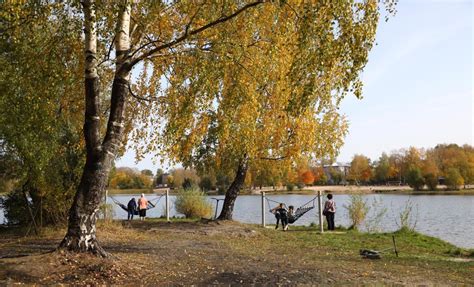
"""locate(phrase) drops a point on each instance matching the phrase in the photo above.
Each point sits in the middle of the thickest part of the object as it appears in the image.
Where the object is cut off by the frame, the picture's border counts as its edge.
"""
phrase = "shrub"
(323, 180)
(206, 184)
(454, 179)
(377, 213)
(290, 186)
(193, 203)
(300, 185)
(415, 179)
(188, 183)
(407, 218)
(14, 208)
(357, 209)
(431, 181)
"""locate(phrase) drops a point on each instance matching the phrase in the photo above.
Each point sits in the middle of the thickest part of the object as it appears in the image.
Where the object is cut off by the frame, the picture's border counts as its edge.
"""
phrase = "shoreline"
(335, 189)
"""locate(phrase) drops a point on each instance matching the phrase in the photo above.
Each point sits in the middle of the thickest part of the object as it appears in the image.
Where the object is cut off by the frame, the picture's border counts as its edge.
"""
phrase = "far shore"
(336, 189)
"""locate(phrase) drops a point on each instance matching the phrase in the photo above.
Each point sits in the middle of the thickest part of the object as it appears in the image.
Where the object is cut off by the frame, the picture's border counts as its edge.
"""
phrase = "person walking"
(142, 206)
(131, 208)
(329, 211)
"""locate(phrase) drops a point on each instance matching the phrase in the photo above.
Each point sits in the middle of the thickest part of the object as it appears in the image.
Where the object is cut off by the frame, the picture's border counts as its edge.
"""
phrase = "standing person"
(131, 208)
(330, 211)
(277, 214)
(142, 205)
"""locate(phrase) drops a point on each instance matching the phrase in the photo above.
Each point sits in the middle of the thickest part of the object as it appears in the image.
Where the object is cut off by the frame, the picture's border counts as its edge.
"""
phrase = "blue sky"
(418, 84)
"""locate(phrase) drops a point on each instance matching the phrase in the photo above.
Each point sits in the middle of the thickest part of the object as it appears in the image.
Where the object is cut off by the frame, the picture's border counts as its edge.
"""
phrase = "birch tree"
(266, 88)
(230, 82)
(157, 31)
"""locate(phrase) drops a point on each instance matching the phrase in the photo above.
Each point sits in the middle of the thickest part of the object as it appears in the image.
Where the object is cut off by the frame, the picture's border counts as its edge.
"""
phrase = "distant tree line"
(450, 165)
(445, 164)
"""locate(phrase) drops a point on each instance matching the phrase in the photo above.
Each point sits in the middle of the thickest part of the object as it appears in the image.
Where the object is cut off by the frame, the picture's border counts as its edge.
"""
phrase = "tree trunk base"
(83, 245)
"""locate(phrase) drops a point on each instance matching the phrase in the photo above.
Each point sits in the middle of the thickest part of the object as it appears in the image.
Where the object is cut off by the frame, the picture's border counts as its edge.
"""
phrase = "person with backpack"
(131, 208)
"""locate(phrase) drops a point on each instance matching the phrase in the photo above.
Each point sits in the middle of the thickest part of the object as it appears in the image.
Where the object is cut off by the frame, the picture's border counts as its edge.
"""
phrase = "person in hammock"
(281, 214)
(291, 212)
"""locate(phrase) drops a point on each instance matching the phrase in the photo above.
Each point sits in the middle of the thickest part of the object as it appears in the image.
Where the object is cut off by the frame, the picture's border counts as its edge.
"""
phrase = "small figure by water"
(131, 208)
(281, 214)
(329, 211)
(142, 206)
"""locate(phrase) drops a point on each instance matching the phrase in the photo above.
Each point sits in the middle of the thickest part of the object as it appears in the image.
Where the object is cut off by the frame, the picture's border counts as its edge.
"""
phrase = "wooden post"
(217, 206)
(394, 245)
(320, 209)
(263, 209)
(167, 205)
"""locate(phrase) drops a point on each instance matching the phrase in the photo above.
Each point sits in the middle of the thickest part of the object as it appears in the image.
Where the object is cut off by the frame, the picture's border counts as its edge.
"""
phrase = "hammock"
(135, 212)
(299, 212)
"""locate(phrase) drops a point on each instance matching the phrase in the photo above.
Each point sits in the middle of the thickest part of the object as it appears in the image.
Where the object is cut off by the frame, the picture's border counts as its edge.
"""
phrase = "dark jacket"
(132, 205)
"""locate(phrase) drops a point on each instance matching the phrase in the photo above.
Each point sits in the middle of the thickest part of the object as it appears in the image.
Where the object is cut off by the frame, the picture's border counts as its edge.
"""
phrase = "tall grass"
(193, 203)
(408, 217)
(377, 213)
(357, 210)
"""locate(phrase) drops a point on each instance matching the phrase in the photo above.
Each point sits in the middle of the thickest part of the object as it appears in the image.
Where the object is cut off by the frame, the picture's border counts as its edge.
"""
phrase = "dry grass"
(204, 253)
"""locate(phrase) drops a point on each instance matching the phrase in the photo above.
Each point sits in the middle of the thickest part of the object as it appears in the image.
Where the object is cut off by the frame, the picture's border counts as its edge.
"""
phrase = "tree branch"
(107, 57)
(148, 99)
(186, 34)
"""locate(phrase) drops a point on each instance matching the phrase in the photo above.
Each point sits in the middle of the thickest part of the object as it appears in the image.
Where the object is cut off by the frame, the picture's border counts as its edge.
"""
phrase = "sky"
(418, 84)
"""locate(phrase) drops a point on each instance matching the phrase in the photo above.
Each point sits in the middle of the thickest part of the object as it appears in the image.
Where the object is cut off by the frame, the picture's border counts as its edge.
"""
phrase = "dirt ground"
(210, 253)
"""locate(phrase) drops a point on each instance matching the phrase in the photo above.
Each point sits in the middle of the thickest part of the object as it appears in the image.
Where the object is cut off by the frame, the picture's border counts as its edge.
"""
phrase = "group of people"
(141, 206)
(283, 214)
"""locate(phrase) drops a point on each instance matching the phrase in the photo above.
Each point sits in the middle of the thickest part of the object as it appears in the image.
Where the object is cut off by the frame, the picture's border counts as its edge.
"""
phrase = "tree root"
(79, 245)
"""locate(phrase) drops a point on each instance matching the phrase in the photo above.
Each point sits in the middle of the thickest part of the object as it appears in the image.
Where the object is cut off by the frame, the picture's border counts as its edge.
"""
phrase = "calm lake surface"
(449, 217)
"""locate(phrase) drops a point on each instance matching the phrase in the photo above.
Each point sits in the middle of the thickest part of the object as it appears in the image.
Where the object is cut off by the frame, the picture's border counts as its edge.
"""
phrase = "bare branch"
(148, 99)
(107, 57)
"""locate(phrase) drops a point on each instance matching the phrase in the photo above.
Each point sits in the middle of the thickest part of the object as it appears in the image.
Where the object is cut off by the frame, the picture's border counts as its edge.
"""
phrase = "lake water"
(449, 217)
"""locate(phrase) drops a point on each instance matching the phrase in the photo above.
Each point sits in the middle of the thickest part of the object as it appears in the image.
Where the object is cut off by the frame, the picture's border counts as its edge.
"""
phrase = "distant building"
(337, 169)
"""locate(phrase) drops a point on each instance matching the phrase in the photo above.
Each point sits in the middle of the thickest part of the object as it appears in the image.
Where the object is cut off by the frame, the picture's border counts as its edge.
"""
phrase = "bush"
(407, 220)
(323, 180)
(377, 213)
(415, 179)
(206, 184)
(193, 203)
(454, 179)
(14, 208)
(290, 186)
(431, 181)
(357, 209)
(300, 185)
(188, 183)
